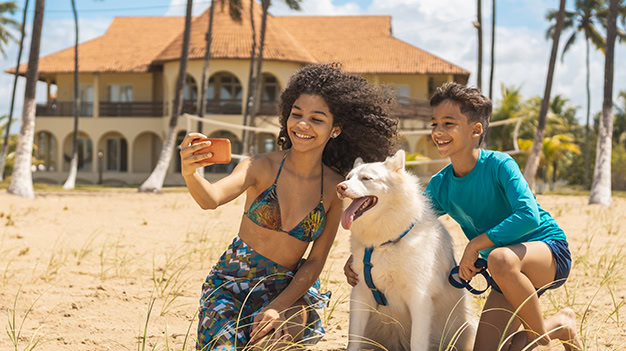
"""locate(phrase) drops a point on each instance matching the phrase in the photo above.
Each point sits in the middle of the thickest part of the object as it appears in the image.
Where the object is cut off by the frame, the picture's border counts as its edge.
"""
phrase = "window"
(86, 100)
(190, 91)
(120, 93)
(271, 90)
(224, 86)
(224, 94)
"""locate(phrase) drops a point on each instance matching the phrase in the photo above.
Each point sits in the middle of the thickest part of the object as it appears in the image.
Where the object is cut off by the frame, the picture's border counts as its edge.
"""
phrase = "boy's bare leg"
(518, 270)
(494, 318)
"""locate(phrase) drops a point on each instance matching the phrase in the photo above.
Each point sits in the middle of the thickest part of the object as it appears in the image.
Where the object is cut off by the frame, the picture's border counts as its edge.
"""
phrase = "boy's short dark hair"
(472, 103)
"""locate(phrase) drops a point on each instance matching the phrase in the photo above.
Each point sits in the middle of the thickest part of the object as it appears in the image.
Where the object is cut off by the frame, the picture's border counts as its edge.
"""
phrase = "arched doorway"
(115, 152)
(85, 152)
(146, 149)
(46, 151)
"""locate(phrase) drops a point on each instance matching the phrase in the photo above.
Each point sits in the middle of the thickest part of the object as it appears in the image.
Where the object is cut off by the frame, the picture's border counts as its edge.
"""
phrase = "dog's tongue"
(348, 214)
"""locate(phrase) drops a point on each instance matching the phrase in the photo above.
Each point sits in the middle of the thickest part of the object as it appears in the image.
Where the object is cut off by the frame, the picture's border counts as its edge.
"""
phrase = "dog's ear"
(396, 162)
(358, 162)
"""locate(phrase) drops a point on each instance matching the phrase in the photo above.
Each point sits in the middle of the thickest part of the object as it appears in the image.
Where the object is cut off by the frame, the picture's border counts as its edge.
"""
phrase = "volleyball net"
(418, 132)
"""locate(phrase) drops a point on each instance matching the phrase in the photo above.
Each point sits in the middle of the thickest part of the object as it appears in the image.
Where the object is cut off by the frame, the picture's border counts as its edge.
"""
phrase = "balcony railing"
(64, 108)
(107, 109)
(131, 109)
(411, 109)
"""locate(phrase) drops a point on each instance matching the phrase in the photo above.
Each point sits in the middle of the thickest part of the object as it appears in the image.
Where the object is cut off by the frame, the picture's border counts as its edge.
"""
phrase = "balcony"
(64, 108)
(217, 107)
(131, 109)
(106, 109)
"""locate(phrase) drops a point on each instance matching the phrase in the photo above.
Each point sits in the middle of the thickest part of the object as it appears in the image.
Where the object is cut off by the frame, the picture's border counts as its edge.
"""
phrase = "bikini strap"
(280, 168)
(322, 190)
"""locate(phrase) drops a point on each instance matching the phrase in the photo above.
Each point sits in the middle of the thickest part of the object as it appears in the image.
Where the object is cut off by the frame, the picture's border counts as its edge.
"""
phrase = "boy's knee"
(502, 261)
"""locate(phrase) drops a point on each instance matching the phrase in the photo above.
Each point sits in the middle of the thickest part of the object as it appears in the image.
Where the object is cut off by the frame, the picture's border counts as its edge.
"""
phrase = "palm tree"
(22, 178)
(479, 26)
(258, 81)
(71, 179)
(154, 183)
(554, 149)
(6, 23)
(601, 186)
(247, 107)
(493, 46)
(533, 160)
(235, 13)
(5, 143)
(583, 19)
(619, 122)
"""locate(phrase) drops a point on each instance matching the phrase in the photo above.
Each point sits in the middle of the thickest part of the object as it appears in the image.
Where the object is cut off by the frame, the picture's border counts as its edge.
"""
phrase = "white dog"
(423, 311)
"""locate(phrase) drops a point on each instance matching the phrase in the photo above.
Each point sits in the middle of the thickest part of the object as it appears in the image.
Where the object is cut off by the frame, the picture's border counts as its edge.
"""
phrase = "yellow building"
(127, 82)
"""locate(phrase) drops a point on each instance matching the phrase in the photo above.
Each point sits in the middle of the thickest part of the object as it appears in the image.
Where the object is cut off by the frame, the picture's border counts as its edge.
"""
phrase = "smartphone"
(220, 147)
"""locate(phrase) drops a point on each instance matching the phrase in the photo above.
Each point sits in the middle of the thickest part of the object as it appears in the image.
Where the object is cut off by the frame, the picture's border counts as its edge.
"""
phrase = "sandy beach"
(81, 270)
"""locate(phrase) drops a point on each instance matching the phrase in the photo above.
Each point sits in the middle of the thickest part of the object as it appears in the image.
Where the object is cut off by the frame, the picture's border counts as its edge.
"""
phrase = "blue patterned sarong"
(238, 287)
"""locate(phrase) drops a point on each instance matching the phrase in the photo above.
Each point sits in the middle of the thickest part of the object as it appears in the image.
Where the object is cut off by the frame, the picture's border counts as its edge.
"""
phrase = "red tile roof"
(364, 44)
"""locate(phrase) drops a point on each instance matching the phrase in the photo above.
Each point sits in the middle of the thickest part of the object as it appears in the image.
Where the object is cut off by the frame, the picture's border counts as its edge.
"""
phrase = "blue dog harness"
(461, 283)
(367, 268)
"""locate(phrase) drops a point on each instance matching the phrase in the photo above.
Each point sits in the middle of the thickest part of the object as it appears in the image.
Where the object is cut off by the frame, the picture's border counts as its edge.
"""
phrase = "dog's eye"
(364, 178)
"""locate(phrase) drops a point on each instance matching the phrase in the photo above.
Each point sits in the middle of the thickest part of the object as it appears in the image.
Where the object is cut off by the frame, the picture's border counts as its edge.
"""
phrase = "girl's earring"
(334, 134)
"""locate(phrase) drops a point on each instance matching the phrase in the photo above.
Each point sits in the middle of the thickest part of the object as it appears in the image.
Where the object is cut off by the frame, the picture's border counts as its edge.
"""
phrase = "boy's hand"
(351, 276)
(467, 270)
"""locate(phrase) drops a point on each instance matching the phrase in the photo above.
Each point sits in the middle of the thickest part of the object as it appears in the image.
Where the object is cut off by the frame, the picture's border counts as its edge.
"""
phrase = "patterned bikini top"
(265, 212)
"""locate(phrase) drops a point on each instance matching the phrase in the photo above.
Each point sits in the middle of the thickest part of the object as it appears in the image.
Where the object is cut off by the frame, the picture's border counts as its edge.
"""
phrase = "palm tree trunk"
(205, 67)
(22, 177)
(258, 94)
(154, 183)
(5, 143)
(205, 71)
(479, 27)
(247, 107)
(493, 47)
(532, 164)
(586, 145)
(71, 179)
(601, 186)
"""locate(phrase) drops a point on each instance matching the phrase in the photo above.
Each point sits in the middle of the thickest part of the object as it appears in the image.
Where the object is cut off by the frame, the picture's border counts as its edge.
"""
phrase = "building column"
(48, 84)
(129, 158)
(96, 95)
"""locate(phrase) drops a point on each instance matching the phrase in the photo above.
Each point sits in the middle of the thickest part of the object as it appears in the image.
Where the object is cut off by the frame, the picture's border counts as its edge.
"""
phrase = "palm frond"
(568, 44)
(596, 37)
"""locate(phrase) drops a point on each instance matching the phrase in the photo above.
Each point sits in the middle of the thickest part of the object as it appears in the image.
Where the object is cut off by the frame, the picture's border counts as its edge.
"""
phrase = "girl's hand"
(467, 270)
(267, 320)
(351, 276)
(190, 162)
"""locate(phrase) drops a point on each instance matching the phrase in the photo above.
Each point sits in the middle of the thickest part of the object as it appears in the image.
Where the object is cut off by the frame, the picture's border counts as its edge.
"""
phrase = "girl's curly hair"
(358, 107)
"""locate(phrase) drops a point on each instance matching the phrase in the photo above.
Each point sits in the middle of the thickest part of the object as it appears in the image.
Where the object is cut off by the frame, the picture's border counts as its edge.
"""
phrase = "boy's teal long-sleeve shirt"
(493, 198)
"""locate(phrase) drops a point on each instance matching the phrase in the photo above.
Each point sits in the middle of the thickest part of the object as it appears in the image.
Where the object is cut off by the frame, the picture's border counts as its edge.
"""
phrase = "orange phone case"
(220, 147)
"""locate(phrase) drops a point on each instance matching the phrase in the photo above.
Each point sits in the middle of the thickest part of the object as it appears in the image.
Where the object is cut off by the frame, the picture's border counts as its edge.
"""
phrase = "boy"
(485, 192)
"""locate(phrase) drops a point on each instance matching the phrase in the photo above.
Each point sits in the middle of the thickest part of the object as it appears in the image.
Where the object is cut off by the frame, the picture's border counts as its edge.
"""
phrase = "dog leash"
(461, 283)
(367, 268)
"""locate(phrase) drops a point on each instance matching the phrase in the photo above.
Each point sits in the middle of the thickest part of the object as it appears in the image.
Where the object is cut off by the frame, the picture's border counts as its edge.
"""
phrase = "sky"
(442, 27)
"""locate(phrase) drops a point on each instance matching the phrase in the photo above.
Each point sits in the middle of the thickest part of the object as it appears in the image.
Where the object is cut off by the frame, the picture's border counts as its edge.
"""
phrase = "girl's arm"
(207, 195)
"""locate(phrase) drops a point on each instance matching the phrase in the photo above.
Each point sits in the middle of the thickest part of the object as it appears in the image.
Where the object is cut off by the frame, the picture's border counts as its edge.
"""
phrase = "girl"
(261, 293)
